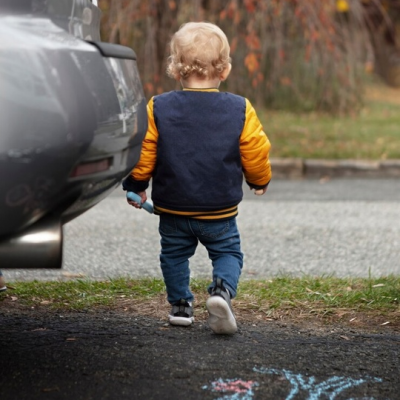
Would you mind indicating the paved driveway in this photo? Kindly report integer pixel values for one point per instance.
(120, 355)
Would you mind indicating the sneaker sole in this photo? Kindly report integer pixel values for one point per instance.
(180, 321)
(221, 319)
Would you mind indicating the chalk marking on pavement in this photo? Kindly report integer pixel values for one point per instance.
(329, 389)
(240, 389)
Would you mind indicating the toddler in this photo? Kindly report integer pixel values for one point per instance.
(199, 144)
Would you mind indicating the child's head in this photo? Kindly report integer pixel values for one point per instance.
(200, 49)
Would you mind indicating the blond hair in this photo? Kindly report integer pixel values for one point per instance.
(199, 48)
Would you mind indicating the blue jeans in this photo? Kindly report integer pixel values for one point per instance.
(179, 239)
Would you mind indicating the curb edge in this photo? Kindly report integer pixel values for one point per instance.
(298, 168)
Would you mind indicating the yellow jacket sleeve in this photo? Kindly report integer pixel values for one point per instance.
(254, 150)
(144, 168)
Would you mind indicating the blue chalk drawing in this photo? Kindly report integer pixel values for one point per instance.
(236, 389)
(329, 388)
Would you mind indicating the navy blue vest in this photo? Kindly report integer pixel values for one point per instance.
(198, 157)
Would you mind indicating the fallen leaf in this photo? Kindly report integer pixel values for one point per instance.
(324, 179)
(72, 275)
(50, 389)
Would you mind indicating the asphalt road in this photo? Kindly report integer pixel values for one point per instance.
(117, 356)
(335, 227)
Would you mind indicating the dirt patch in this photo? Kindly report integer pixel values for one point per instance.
(383, 93)
(158, 308)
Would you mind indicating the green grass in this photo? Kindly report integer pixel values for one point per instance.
(306, 294)
(373, 134)
(325, 294)
(80, 294)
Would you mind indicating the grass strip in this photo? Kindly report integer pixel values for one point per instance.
(320, 295)
(372, 134)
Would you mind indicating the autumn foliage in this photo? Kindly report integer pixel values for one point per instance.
(292, 54)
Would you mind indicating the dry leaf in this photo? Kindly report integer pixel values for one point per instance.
(50, 389)
(72, 275)
(324, 179)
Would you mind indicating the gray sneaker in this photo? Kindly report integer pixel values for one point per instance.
(181, 313)
(221, 318)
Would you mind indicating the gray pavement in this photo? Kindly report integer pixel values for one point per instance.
(341, 227)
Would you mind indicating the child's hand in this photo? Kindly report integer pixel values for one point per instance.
(143, 197)
(260, 192)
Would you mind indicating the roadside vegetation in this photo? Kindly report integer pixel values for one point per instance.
(372, 133)
(306, 65)
(283, 297)
(302, 55)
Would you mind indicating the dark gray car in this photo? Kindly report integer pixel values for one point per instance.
(72, 120)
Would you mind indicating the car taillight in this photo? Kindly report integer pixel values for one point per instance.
(92, 167)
